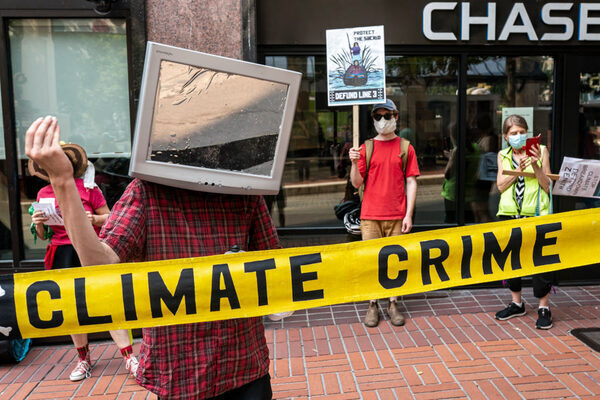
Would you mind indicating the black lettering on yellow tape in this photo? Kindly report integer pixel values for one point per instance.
(159, 293)
(32, 293)
(261, 267)
(541, 240)
(427, 260)
(384, 255)
(217, 293)
(299, 277)
(99, 298)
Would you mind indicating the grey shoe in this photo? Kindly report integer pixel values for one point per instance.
(396, 317)
(372, 317)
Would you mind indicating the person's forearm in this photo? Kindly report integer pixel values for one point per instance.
(355, 176)
(541, 172)
(89, 248)
(100, 219)
(542, 179)
(411, 195)
(505, 182)
(40, 231)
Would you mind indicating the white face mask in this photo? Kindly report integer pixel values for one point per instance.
(385, 126)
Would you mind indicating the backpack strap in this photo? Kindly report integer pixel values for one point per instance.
(404, 143)
(368, 155)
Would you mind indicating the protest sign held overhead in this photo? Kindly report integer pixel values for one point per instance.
(355, 66)
(170, 292)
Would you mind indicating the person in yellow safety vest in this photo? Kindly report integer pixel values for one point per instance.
(523, 197)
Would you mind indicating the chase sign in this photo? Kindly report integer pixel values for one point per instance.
(555, 21)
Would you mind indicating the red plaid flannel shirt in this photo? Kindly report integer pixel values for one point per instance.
(153, 222)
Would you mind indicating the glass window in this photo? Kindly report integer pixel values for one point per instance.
(499, 86)
(5, 240)
(310, 186)
(425, 92)
(588, 140)
(75, 69)
(317, 167)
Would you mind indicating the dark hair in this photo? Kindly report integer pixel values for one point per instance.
(513, 120)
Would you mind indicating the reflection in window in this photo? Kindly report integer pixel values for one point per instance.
(75, 69)
(317, 165)
(589, 105)
(190, 126)
(310, 184)
(589, 124)
(424, 90)
(5, 242)
(496, 88)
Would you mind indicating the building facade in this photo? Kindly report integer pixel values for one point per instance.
(453, 68)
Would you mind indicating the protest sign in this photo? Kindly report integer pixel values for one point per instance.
(46, 205)
(355, 66)
(578, 177)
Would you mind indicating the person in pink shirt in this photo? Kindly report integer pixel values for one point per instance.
(60, 252)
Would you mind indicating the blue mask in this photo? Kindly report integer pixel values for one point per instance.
(517, 141)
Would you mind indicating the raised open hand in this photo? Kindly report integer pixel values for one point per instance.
(42, 145)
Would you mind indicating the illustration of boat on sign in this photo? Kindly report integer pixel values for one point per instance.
(356, 75)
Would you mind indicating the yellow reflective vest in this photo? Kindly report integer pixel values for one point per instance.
(508, 202)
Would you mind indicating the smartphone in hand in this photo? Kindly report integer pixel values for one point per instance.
(530, 143)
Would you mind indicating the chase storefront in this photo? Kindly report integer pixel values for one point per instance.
(453, 69)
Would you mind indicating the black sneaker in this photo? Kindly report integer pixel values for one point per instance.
(544, 320)
(511, 311)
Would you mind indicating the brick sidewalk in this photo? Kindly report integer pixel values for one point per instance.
(451, 347)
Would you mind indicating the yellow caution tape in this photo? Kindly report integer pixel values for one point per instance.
(100, 298)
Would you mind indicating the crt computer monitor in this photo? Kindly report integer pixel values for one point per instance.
(212, 123)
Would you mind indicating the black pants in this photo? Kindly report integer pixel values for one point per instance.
(65, 257)
(259, 389)
(542, 283)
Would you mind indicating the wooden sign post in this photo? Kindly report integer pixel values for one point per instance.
(554, 177)
(355, 133)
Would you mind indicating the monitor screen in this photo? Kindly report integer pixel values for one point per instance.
(217, 120)
(214, 124)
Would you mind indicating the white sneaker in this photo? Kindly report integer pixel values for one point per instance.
(132, 364)
(82, 370)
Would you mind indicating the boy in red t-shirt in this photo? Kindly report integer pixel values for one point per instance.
(388, 203)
